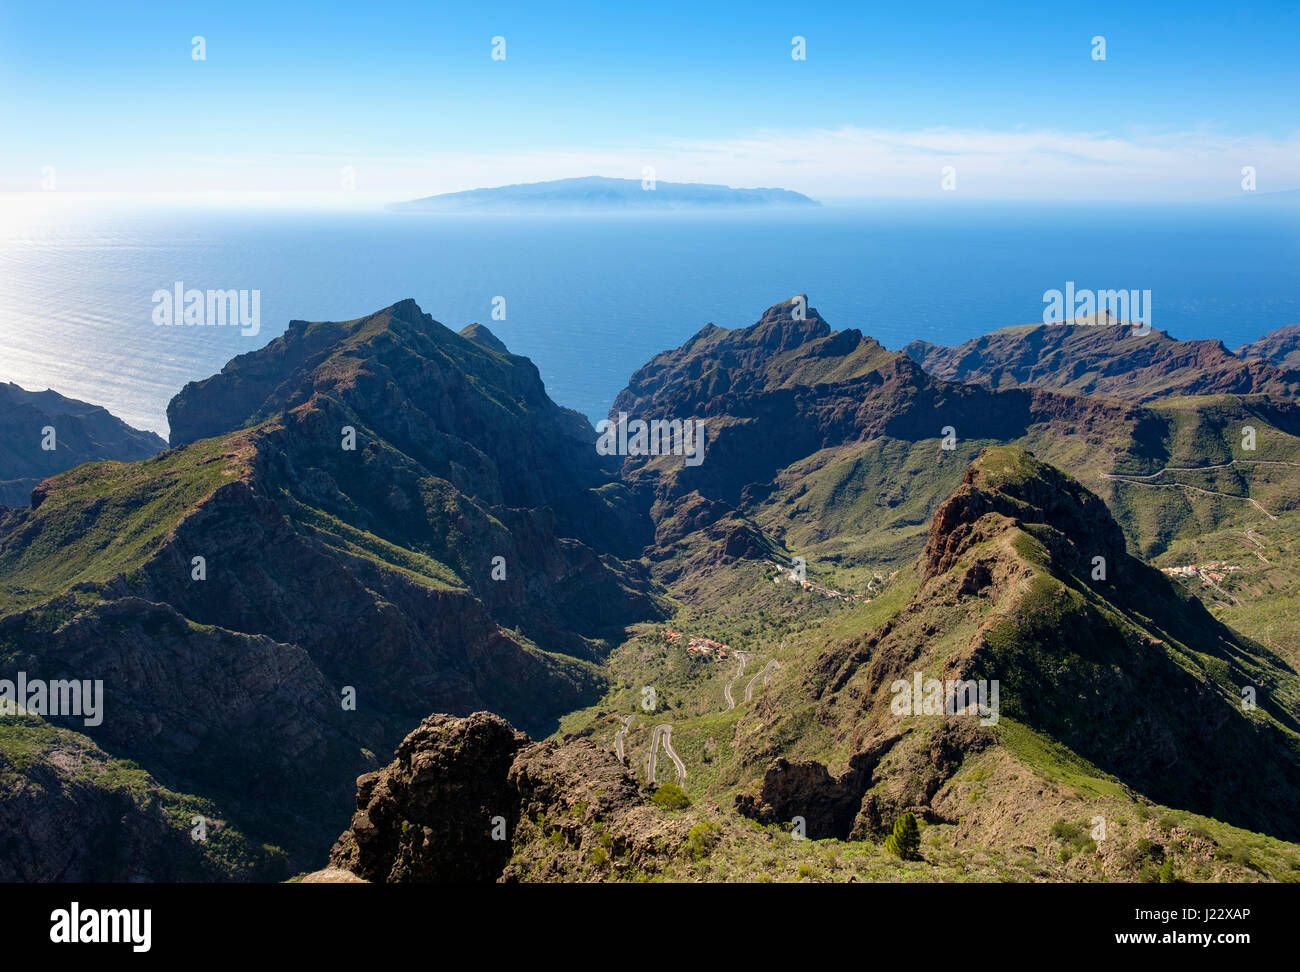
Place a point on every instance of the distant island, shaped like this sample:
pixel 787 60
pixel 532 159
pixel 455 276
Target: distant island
pixel 596 193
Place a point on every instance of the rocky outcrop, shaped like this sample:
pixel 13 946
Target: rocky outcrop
pixel 430 815
pixel 472 800
pixel 805 791
pixel 1010 484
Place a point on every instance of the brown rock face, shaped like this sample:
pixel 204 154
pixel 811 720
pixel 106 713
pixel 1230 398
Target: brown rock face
pixel 429 815
pixel 807 789
pixel 1038 494
pixel 472 800
pixel 1280 347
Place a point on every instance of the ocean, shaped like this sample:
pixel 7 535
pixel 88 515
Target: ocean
pixel 591 298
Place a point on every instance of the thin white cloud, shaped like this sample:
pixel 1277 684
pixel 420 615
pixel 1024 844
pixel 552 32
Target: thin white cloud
pixel 842 162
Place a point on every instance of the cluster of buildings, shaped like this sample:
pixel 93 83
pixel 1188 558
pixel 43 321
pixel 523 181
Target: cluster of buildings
pixel 1208 573
pixel 807 585
pixel 705 647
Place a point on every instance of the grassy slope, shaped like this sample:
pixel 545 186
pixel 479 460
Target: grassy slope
pixel 1019 808
pixel 106 518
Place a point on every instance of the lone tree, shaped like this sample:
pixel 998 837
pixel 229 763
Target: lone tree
pixel 905 841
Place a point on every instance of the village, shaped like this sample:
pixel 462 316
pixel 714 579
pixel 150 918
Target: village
pixel 793 576
pixel 698 647
pixel 1208 573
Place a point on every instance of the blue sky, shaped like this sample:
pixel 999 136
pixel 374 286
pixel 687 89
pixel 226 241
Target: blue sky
pixel 408 96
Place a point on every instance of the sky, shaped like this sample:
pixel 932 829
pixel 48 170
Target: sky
pixel 396 100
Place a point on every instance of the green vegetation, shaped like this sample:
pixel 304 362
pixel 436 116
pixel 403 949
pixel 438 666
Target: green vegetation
pixel 670 796
pixel 106 518
pixel 37 757
pixel 1101 678
pixel 905 841
pixel 703 837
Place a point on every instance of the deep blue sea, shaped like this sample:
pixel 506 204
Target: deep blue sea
pixel 589 299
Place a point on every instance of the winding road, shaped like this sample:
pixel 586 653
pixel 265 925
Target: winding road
pixel 726 689
pixel 618 737
pixel 1222 465
pixel 1134 479
pixel 664 732
pixel 1253 537
pixel 771 667
pixel 1137 481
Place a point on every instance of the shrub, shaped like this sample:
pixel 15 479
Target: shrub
pixel 905 841
pixel 670 796
pixel 702 838
pixel 1069 832
pixel 1147 848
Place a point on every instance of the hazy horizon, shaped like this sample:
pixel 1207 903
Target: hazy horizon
pixel 1114 103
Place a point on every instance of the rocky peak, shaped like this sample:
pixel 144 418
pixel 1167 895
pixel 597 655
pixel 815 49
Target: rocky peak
pixel 479 334
pixel 786 325
pixel 1009 481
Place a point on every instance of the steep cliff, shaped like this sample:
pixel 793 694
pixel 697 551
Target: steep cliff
pixel 391 521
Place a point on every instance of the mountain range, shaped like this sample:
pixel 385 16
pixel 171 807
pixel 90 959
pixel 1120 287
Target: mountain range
pixel 1115 361
pixel 369 521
